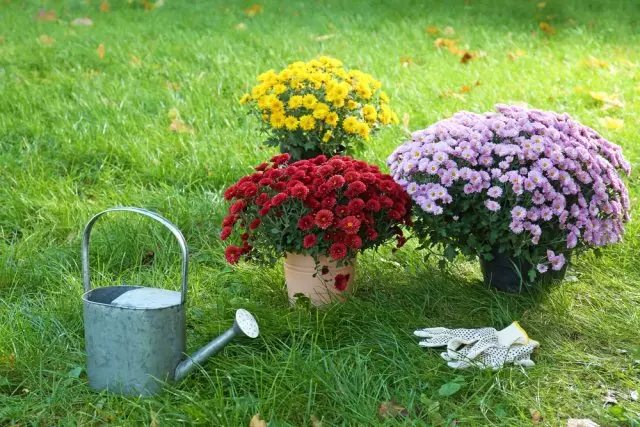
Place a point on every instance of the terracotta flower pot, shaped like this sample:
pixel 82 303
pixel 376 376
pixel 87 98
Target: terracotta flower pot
pixel 299 271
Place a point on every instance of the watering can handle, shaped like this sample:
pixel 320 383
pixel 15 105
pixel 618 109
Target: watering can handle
pixel 174 230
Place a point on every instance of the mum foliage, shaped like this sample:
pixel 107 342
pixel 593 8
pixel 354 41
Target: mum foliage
pixel 333 207
pixel 319 107
pixel 529 183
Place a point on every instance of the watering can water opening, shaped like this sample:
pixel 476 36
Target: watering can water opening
pixel 135 335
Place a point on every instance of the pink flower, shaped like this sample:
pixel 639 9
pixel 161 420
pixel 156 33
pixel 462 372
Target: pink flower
pixel 542 268
pixel 494 192
pixel 492 205
pixel 518 213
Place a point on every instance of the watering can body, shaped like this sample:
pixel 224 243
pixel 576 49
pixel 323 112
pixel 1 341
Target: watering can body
pixel 135 335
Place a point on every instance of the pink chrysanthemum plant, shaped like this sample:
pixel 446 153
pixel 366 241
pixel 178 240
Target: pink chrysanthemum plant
pixel 533 184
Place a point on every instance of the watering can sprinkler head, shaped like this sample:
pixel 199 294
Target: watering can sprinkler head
pixel 244 324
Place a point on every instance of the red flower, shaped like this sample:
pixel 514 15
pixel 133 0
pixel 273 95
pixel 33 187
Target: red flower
pixel 351 175
pixel 395 215
pixel 355 188
pixel 230 192
pixel 386 202
pixel 325 270
pixel 328 202
pixel 350 224
pixel 262 167
pixel 338 251
pixel 335 182
pixel 387 186
pixel 341 210
pixel 368 178
pixel 279 186
pixel 244 236
pixel 281 159
pixel 401 241
pixel 355 205
pixel 237 207
pixel 309 241
pixel 354 241
pixel 265 209
pixel 372 234
pixel 337 164
pixel 312 203
pixel 246 247
pixel 262 199
pixel 305 223
pixel 229 221
pixel 226 232
pixel 265 182
pixel 255 223
pixel 325 170
pixel 373 205
pixel 248 189
pixel 278 199
pixel 341 281
pixel 232 254
pixel 324 218
pixel 320 159
pixel 299 191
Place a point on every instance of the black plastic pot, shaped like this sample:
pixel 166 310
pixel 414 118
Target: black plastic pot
pixel 510 274
pixel 301 154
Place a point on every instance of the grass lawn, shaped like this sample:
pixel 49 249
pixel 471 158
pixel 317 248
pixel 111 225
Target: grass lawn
pixel 84 125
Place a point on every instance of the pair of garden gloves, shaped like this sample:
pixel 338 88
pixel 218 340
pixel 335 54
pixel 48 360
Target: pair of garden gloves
pixel 483 348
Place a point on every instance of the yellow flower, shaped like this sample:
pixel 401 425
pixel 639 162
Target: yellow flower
pixel 321 110
pixel 385 114
pixel 384 97
pixel 350 124
pixel 277 120
pixel 291 123
pixel 363 130
pixel 352 105
pixel 394 117
pixel 295 101
pixel 245 98
pixel 279 88
pixel 309 101
pixel 258 91
pixel 331 119
pixel 265 117
pixel 307 122
pixel 369 112
pixel 267 75
pixel 276 105
pixel 327 136
pixel 364 91
pixel 265 101
pixel 338 92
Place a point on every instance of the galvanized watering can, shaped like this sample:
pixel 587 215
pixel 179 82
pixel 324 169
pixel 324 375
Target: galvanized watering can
pixel 135 336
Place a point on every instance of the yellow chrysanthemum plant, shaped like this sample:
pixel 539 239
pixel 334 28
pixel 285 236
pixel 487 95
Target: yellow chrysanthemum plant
pixel 319 107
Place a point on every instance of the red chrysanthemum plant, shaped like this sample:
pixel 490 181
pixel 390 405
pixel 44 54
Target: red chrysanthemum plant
pixel 333 207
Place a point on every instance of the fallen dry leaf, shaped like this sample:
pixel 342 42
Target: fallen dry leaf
pixel 608 100
pixel 324 37
pixel 149 5
pixel 467 89
pixel 541 5
pixel 583 422
pixel 466 57
pixel 406 61
pixel 257 421
pixel 516 54
pixel 9 360
pixel 448 31
pixel 101 51
pixel 432 30
pixel 611 123
pixel 46 40
pixel 547 28
pixel 593 62
pixel 135 61
pixel 391 410
pixel 172 85
pixel 82 22
pixel 154 419
pixel 442 42
pixel 536 416
pixel 1 39
pixel 104 6
pixel 405 120
pixel 241 26
pixel 315 422
pixel 46 15
pixel 254 10
pixel 177 124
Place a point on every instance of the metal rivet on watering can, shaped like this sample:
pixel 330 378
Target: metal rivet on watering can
pixel 135 335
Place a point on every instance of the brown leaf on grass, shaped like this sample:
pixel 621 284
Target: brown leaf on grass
pixel 442 42
pixel 241 26
pixel 257 421
pixel 405 61
pixel 467 89
pixel 178 126
pixel 466 57
pixel 609 101
pixel 541 5
pixel 9 360
pixel 544 26
pixel 172 85
pixel 101 51
pixel 593 62
pixel 149 5
pixel 516 54
pixel 405 120
pixel 46 15
pixel 1 39
pixel 254 10
pixel 323 37
pixel 448 31
pixel 135 61
pixel 315 422
pixel 611 123
pixel 104 6
pixel 448 93
pixel 46 40
pixel 82 22
pixel 536 416
pixel 432 30
pixel 391 410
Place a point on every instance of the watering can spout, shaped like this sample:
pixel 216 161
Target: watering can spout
pixel 244 324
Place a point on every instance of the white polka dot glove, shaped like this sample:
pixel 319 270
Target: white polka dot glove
pixel 484 348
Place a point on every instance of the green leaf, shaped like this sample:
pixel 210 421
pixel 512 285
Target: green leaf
pixel 4 381
pixel 618 412
pixel 532 274
pixel 75 372
pixel 450 253
pixel 449 389
pixel 442 264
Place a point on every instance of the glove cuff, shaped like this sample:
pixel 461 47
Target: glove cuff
pixel 513 334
